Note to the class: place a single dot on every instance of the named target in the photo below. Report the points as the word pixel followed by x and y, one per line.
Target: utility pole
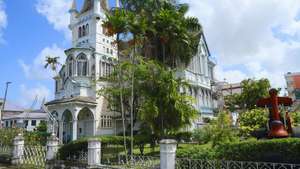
pixel 4 101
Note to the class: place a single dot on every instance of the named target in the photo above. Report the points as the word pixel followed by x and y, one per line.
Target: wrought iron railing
pixel 220 164
pixel 81 157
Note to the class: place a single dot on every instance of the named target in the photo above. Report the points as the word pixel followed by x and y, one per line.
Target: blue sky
pixel 257 39
pixel 27 33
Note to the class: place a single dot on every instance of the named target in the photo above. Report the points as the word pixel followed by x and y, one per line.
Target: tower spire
pixel 117 4
pixel 74 6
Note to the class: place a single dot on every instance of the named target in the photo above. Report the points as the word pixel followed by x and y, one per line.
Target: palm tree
pixel 116 24
pixel 52 62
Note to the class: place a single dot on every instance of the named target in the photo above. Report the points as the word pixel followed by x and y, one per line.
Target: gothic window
pixel 107 50
pixel 79 32
pixel 93 70
pixel 70 65
pixel 82 65
pixel 83 31
pixel 111 51
pixel 87 30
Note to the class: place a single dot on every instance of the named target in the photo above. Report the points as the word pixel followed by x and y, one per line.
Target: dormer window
pixel 82 65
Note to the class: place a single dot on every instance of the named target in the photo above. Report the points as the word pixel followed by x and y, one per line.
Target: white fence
pixel 37 156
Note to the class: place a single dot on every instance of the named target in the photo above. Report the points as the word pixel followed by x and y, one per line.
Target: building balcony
pixel 195 79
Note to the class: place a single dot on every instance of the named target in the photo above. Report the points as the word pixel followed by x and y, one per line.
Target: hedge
pixel 74 148
pixel 275 150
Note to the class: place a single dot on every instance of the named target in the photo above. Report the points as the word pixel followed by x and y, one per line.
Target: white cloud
pixel 28 95
pixel 3 20
pixel 233 76
pixel 56 12
pixel 36 69
pixel 241 34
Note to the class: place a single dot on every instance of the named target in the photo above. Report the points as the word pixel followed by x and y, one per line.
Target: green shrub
pixel 203 135
pixel 295 118
pixel 31 138
pixel 252 120
pixel 197 152
pixel 217 132
pixel 107 142
pixel 275 150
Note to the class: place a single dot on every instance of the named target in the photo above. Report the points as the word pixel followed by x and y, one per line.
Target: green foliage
pixel 295 118
pixel 275 150
pixel 253 90
pixel 217 132
pixel 157 100
pixel 75 147
pixel 232 101
pixel 42 127
pixel 203 135
pixel 31 138
pixel 8 134
pixel 252 120
pixel 161 29
pixel 197 152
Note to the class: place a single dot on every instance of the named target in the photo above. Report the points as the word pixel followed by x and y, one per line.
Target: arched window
pixel 83 30
pixel 70 65
pixel 82 65
pixel 87 30
pixel 79 32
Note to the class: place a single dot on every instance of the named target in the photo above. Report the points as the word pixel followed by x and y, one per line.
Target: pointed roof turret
pixel 117 3
pixel 88 5
pixel 74 6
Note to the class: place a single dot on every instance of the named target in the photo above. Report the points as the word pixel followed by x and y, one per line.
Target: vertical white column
pixel 97 7
pixel 94 127
pixel 94 152
pixel 18 149
pixel 61 130
pixel 52 147
pixel 117 3
pixel 168 154
pixel 74 128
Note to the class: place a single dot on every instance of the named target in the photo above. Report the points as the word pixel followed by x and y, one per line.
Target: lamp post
pixel 4 101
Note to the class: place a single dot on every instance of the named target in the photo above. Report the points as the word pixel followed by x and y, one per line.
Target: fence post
pixel 94 152
pixel 52 147
pixel 18 149
pixel 168 154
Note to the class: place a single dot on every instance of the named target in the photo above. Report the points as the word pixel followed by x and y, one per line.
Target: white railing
pixel 34 155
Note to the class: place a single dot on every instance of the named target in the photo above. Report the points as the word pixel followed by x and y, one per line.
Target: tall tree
pixel 158 101
pixel 116 24
pixel 252 90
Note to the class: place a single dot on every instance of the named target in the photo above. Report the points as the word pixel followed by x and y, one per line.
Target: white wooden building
pixel 77 109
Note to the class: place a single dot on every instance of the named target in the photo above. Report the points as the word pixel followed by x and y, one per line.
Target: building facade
pixel 27 119
pixel 293 88
pixel 77 111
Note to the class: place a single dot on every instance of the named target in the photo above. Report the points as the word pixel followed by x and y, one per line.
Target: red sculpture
pixel 277 128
